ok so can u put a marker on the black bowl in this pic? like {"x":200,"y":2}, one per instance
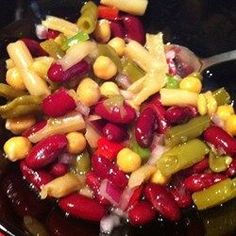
{"x":207,"y":27}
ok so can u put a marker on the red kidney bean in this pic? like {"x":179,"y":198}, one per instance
{"x":180,"y":115}
{"x":231,"y":171}
{"x":34,"y":47}
{"x":93,"y":181}
{"x":163,"y":201}
{"x":35,"y":128}
{"x":82,"y":207}
{"x":58,"y":169}
{"x":136,"y":196}
{"x":52,"y":34}
{"x":117,"y":29}
{"x":141,"y":213}
{"x":220,"y":139}
{"x":57,"y":74}
{"x":58,"y":104}
{"x":197,"y":168}
{"x":46,"y":151}
{"x":198,"y":182}
{"x":134,"y":28}
{"x":37,"y":178}
{"x":121,"y":115}
{"x":159,"y":110}
{"x":108,"y":170}
{"x":144,"y":127}
{"x":182,"y":196}
{"x":108,"y":149}
{"x":23,"y":200}
{"x":114,"y":132}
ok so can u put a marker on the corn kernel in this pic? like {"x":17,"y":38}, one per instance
{"x":191,"y":83}
{"x":102,"y":32}
{"x":128,"y":161}
{"x":109,"y":89}
{"x":118,"y":44}
{"x":104,"y":68}
{"x":224,"y":111}
{"x":159,"y":178}
{"x":20,"y":124}
{"x":17,"y":148}
{"x":230,"y":125}
{"x":14,"y":79}
{"x":76,"y":142}
{"x":88,"y":92}
{"x":202,"y":104}
{"x":211,"y":103}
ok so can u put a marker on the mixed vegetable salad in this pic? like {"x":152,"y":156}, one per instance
{"x":113,"y":123}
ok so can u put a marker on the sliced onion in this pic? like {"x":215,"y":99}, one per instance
{"x":97,"y":123}
{"x":82,"y":108}
{"x":41,"y":31}
{"x":108,"y":223}
{"x":125,"y":197}
{"x":128,"y":95}
{"x":157,"y":148}
{"x":122,"y":81}
{"x":217,"y":121}
{"x":110,"y":192}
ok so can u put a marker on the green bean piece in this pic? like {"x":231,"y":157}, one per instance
{"x":52,"y":48}
{"x":34,"y":227}
{"x":216,"y":194}
{"x":172,"y":82}
{"x":144,"y":153}
{"x":108,"y":51}
{"x":20,"y":106}
{"x":88,"y":19}
{"x":182,"y":133}
{"x":182,"y":156}
{"x":21,"y":110}
{"x":10,"y":93}
{"x":80,"y":37}
{"x":132,"y":70}
{"x":222,"y":96}
{"x":82,"y":163}
{"x":219,"y":163}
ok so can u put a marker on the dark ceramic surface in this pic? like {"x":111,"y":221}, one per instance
{"x":207,"y":27}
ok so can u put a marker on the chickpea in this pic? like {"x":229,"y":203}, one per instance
{"x":191,"y":83}
{"x":109,"y":89}
{"x":118,"y":44}
{"x":128,"y":161}
{"x":14,"y":79}
{"x":41,"y":66}
{"x":102,"y":32}
{"x":225,"y":111}
{"x":159,"y":178}
{"x":230,"y":125}
{"x":20,"y":124}
{"x":104,"y":68}
{"x":88,"y":92}
{"x":76,"y":142}
{"x":17,"y":148}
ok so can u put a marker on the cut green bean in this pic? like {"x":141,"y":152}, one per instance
{"x":88,"y":19}
{"x":182,"y":157}
{"x":108,"y":51}
{"x":219,"y":163}
{"x":80,"y":37}
{"x":82,"y":164}
{"x":34,"y":227}
{"x":8,"y":92}
{"x":20,"y":106}
{"x":182,"y":133}
{"x":172,"y":82}
{"x":132,"y":70}
{"x":222,"y":96}
{"x":216,"y":194}
{"x":52,"y":48}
